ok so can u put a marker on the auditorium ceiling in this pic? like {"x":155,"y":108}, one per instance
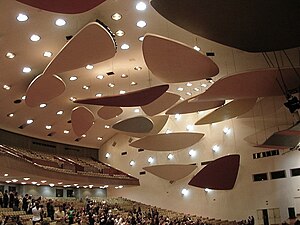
{"x":80,"y":73}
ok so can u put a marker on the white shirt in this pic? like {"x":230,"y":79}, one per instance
{"x":36,"y":214}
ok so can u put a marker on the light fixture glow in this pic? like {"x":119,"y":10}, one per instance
{"x":60,"y":22}
{"x":124,"y":75}
{"x":23,"y":183}
{"x":66,"y":131}
{"x":51,"y":185}
{"x":73,"y":78}
{"x":106,"y":126}
{"x":141,"y":23}
{"x":204,"y":85}
{"x":133,"y":83}
{"x":47,"y":54}
{"x":177,"y":116}
{"x":138,"y":68}
{"x":43,"y":105}
{"x":35,"y":38}
{"x":48,"y":127}
{"x":189,"y":127}
{"x":189,"y":84}
{"x":10,"y":115}
{"x":141,"y":38}
{"x":43,"y":181}
{"x":122,"y":92}
{"x":136,"y":110}
{"x":14,"y":180}
{"x":34,"y":182}
{"x":141,"y":6}
{"x":124,"y":46}
{"x":168,"y":131}
{"x":89,"y":67}
{"x":8,"y":181}
{"x":26,"y":69}
{"x":30,"y":121}
{"x":6,"y":175}
{"x":180,"y":89}
{"x":192,"y":153}
{"x":23,"y":97}
{"x":116,"y":16}
{"x":26,"y":178}
{"x":184,"y":191}
{"x":85,"y":87}
{"x":10,"y":55}
{"x":207,"y":190}
{"x":170,"y":156}
{"x":226,"y":130}
{"x":189,"y":93}
{"x":72,"y":99}
{"x":197,"y":48}
{"x":120,"y":33}
{"x":98,"y":94}
{"x":132,"y":163}
{"x":6,"y":87}
{"x":100,"y":76}
{"x":216,"y":148}
{"x":196,"y":89}
{"x":99,"y":138}
{"x":107,"y":155}
{"x":150,"y":159}
{"x":60,"y":112}
{"x":22,"y":17}
{"x":111,"y":85}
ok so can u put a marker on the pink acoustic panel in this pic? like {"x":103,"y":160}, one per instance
{"x":63,"y":6}
{"x":161,"y":104}
{"x":188,"y":106}
{"x":228,"y":111}
{"x":171,"y":172}
{"x":43,"y":89}
{"x":92,"y":44}
{"x":137,"y":124}
{"x":219,"y":174}
{"x":252,"y":84}
{"x":254,"y":26}
{"x":167,"y":142}
{"x":173,"y":62}
{"x":107,"y":112}
{"x":135,"y":98}
{"x":82,"y":120}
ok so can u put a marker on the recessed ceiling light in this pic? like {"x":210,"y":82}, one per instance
{"x":72,"y":78}
{"x":51,"y":185}
{"x":106,"y":126}
{"x":124,"y":75}
{"x":99,"y":138}
{"x":47,"y":54}
{"x":84,"y":135}
{"x":133,"y":83}
{"x":137,"y":68}
{"x":197,"y":48}
{"x":60,"y":112}
{"x":189,"y":84}
{"x":196,"y":89}
{"x":189,"y":127}
{"x":216,"y":148}
{"x":22,"y":17}
{"x":116,"y":16}
{"x":180,"y":89}
{"x":72,"y":99}
{"x":226,"y":130}
{"x":170,"y":156}
{"x":111,"y":85}
{"x":6,"y":175}
{"x":141,"y":38}
{"x":23,"y":182}
{"x":34,"y":182}
{"x":43,"y":181}
{"x":14,"y":180}
{"x":66,"y":131}
{"x":60,"y":183}
{"x":35,"y":37}
{"x":30,"y":121}
{"x":132,"y":163}
{"x":43,"y":105}
{"x":23,"y":97}
{"x":10,"y":55}
{"x":85,"y":87}
{"x":122,"y":92}
{"x":26,"y":178}
{"x":98,"y":94}
{"x":48,"y":127}
{"x":177,"y":116}
{"x":26,"y":69}
{"x":141,"y":6}
{"x":136,"y":110}
{"x":181,"y":98}
{"x":6,"y":87}
{"x":89,"y":67}
{"x":150,"y":159}
{"x":189,"y":93}
{"x":100,"y":76}
{"x":10,"y":115}
{"x":192,"y":152}
{"x":120,"y":33}
{"x":141,"y":23}
{"x":107,"y":155}
{"x":124,"y":46}
{"x":8,"y":181}
{"x":204,"y":85}
{"x":60,"y":22}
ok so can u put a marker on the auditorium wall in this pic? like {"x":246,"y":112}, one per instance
{"x":247,"y":131}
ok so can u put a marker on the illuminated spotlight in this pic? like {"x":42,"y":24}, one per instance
{"x":43,"y":105}
{"x":22,"y":17}
{"x":192,"y":152}
{"x":47,"y":54}
{"x":189,"y":84}
{"x":180,"y":89}
{"x":141,"y":6}
{"x":51,"y":185}
{"x":177,"y":116}
{"x":60,"y":112}
{"x":124,"y":46}
{"x":10,"y":55}
{"x":26,"y":69}
{"x":106,"y":126}
{"x":189,"y":127}
{"x":184,"y":191}
{"x":73,"y":78}
{"x":141,"y":23}
{"x":100,"y":77}
{"x":124,"y":75}
{"x":132,"y":163}
{"x":226,"y":130}
{"x":216,"y":148}
{"x":6,"y":87}
{"x":72,"y":99}
{"x":116,"y":16}
{"x":136,"y":110}
{"x":207,"y":190}
{"x":111,"y":85}
{"x":150,"y":160}
{"x":107,"y":155}
{"x":10,"y":115}
{"x":30,"y":121}
{"x":60,"y":22}
{"x":138,"y":68}
{"x":122,"y":92}
{"x":141,"y":38}
{"x":66,"y":131}
{"x":99,"y":138}
{"x":120,"y":33}
{"x":48,"y":127}
{"x":170,"y":156}
{"x":204,"y":85}
{"x":197,"y":48}
{"x":35,"y":38}
{"x":89,"y":67}
{"x":168,"y":131}
{"x":98,"y":94}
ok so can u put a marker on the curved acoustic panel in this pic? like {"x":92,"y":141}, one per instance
{"x":188,"y":106}
{"x":158,"y":124}
{"x":173,"y":62}
{"x":44,"y":88}
{"x":171,"y":172}
{"x":219,"y":174}
{"x":134,"y":98}
{"x":82,"y":120}
{"x":92,"y":44}
{"x":63,"y":6}
{"x":161,"y":104}
{"x":252,"y":84}
{"x":107,"y":112}
{"x":254,"y":26}
{"x":167,"y":142}
{"x":137,"y":124}
{"x":228,"y":111}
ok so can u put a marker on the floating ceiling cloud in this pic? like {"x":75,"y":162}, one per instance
{"x":107,"y":112}
{"x":137,"y":124}
{"x":82,"y":120}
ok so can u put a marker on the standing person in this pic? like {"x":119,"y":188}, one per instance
{"x":1,"y":199}
{"x":36,"y":213}
{"x":16,"y":202}
{"x":5,"y":199}
{"x":25,"y":203}
{"x":50,"y":209}
{"x":11,"y":199}
{"x":71,"y":215}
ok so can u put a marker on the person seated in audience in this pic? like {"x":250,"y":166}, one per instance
{"x":59,"y":216}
